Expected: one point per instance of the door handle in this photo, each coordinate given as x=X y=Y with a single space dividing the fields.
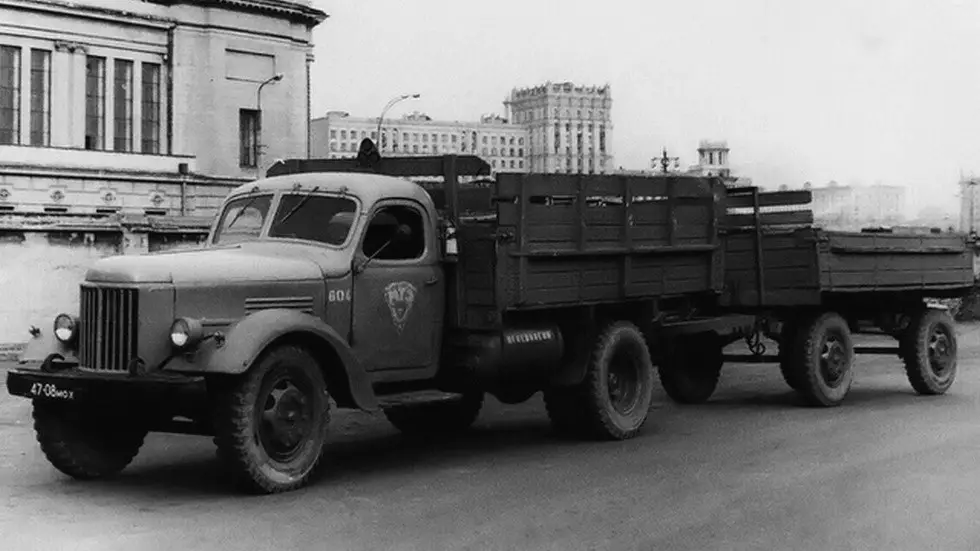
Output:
x=432 y=281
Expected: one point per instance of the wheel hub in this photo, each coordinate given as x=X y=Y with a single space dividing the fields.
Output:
x=286 y=420
x=833 y=362
x=940 y=351
x=622 y=382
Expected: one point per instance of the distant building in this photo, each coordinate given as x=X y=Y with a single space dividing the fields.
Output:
x=147 y=107
x=569 y=126
x=969 y=204
x=855 y=207
x=713 y=161
x=500 y=143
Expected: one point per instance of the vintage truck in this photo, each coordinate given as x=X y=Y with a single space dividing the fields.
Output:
x=344 y=283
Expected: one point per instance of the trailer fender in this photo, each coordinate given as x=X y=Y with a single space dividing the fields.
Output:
x=247 y=339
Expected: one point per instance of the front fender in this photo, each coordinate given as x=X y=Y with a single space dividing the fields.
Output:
x=246 y=340
x=43 y=345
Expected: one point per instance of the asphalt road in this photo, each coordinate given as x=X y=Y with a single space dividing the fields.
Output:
x=750 y=470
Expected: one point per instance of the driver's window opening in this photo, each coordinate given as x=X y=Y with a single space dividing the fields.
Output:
x=381 y=240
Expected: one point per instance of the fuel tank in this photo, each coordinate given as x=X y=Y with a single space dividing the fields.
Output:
x=507 y=362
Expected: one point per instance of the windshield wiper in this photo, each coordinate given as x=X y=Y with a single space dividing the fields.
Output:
x=302 y=202
x=241 y=211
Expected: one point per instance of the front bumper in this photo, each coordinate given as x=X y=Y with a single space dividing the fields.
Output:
x=78 y=386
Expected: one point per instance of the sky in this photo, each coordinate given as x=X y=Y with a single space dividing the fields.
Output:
x=860 y=92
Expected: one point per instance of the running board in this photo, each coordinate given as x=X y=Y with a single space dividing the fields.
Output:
x=416 y=397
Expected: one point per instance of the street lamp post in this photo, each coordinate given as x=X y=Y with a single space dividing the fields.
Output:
x=665 y=161
x=391 y=103
x=258 y=123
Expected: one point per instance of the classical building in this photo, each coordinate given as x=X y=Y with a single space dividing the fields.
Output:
x=569 y=127
x=855 y=207
x=500 y=143
x=148 y=107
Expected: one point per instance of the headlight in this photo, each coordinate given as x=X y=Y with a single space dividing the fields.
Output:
x=185 y=332
x=65 y=328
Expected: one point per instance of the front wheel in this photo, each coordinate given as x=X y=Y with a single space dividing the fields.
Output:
x=821 y=361
x=84 y=442
x=929 y=351
x=271 y=422
x=439 y=418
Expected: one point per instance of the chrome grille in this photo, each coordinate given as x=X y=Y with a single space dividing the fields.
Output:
x=107 y=336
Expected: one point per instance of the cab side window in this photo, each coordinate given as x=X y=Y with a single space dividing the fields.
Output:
x=384 y=241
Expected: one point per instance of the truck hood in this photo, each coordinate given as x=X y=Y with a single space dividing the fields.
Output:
x=237 y=263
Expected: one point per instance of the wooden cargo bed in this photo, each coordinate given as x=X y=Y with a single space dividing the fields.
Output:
x=794 y=264
x=559 y=240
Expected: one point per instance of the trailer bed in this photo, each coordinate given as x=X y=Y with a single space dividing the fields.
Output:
x=778 y=259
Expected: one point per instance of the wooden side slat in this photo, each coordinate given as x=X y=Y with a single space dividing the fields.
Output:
x=801 y=218
x=771 y=199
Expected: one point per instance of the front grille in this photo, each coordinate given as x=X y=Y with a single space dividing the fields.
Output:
x=107 y=336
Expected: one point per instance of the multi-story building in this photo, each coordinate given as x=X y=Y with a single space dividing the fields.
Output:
x=116 y=113
x=569 y=126
x=502 y=144
x=970 y=204
x=148 y=107
x=854 y=207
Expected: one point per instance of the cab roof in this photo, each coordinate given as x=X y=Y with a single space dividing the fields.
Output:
x=369 y=187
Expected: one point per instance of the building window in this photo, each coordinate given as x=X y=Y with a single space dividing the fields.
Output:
x=343 y=134
x=333 y=134
x=248 y=136
x=122 y=106
x=9 y=95
x=40 y=97
x=343 y=146
x=95 y=103
x=425 y=138
x=333 y=146
x=150 y=117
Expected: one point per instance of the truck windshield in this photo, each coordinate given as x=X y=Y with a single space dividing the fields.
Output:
x=243 y=219
x=323 y=218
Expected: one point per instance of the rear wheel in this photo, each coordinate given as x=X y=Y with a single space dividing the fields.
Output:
x=690 y=368
x=271 y=423
x=85 y=442
x=929 y=351
x=613 y=401
x=442 y=418
x=821 y=360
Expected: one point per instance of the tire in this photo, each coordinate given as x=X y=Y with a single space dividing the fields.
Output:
x=434 y=419
x=271 y=422
x=929 y=352
x=822 y=359
x=787 y=339
x=86 y=443
x=690 y=369
x=613 y=401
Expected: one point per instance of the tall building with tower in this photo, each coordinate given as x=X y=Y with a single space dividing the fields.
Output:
x=569 y=126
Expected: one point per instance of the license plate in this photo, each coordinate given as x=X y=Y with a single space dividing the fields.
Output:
x=51 y=391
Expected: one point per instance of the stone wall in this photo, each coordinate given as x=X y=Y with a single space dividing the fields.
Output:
x=42 y=266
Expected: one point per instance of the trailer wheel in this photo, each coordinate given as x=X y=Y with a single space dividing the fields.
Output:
x=271 y=422
x=690 y=367
x=822 y=359
x=86 y=443
x=440 y=418
x=929 y=350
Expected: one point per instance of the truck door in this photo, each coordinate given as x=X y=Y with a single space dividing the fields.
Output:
x=399 y=290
